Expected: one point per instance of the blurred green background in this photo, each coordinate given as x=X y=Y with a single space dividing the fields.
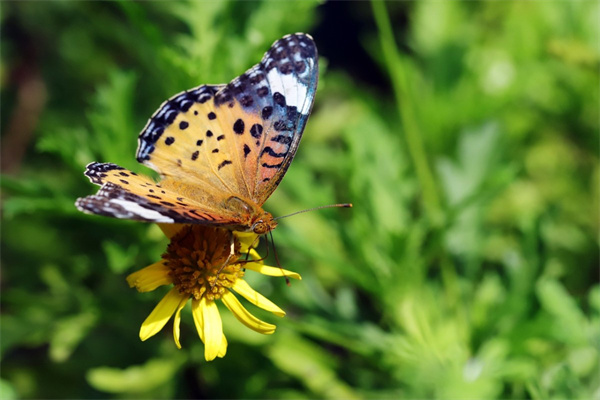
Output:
x=465 y=134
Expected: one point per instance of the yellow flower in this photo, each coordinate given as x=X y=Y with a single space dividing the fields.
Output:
x=201 y=263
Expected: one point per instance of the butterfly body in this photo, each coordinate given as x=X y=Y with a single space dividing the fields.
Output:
x=221 y=150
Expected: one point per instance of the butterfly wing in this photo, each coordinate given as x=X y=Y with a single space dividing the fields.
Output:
x=125 y=194
x=237 y=139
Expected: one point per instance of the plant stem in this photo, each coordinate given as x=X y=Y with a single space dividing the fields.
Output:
x=397 y=69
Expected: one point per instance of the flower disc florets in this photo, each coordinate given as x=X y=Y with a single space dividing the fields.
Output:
x=201 y=265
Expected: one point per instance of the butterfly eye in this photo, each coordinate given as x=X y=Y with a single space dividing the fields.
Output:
x=260 y=227
x=264 y=224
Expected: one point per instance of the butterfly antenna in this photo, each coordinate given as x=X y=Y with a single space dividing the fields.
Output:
x=246 y=260
x=343 y=205
x=287 y=280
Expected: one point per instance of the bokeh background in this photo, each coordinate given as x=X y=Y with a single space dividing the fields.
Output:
x=465 y=134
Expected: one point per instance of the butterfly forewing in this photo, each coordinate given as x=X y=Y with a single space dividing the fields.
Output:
x=237 y=139
x=184 y=140
x=276 y=97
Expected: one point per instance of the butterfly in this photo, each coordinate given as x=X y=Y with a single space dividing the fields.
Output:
x=221 y=150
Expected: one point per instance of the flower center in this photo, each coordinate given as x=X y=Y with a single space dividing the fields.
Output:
x=198 y=258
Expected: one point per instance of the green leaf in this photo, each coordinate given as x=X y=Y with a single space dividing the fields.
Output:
x=68 y=333
x=7 y=391
x=569 y=324
x=310 y=365
x=140 y=379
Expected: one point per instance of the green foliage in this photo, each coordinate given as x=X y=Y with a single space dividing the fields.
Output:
x=467 y=142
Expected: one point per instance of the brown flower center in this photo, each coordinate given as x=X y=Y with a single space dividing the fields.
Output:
x=198 y=258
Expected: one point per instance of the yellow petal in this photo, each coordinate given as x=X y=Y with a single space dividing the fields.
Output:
x=177 y=321
x=271 y=271
x=244 y=316
x=151 y=277
x=161 y=314
x=205 y=321
x=253 y=254
x=198 y=318
x=213 y=329
x=170 y=229
x=223 y=349
x=246 y=239
x=242 y=287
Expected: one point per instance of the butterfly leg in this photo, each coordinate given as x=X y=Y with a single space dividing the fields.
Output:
x=253 y=246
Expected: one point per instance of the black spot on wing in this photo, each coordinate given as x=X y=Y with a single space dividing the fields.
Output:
x=262 y=91
x=266 y=112
x=272 y=166
x=224 y=96
x=238 y=126
x=246 y=101
x=280 y=125
x=224 y=163
x=272 y=152
x=167 y=113
x=256 y=131
x=282 y=139
x=279 y=99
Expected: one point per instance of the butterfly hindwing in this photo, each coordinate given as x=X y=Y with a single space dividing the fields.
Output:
x=237 y=139
x=125 y=194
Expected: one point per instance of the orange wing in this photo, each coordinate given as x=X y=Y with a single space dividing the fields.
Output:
x=220 y=149
x=238 y=139
x=125 y=194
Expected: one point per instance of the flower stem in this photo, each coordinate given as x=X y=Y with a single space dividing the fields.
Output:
x=399 y=71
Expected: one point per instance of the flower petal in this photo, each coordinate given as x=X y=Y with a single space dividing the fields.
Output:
x=246 y=239
x=210 y=328
x=170 y=229
x=242 y=287
x=161 y=314
x=198 y=318
x=151 y=277
x=271 y=271
x=213 y=328
x=234 y=305
x=223 y=349
x=177 y=321
x=253 y=254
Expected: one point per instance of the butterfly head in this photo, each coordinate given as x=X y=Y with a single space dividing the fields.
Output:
x=264 y=223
